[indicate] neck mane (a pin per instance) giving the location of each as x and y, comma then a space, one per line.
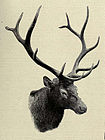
46, 116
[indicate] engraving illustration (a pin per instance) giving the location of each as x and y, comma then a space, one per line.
47, 104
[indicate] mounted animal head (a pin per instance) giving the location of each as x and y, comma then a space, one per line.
47, 104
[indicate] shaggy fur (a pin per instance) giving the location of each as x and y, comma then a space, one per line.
45, 114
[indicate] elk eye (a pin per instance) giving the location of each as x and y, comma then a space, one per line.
73, 99
63, 93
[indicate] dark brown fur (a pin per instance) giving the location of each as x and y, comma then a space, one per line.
45, 114
47, 104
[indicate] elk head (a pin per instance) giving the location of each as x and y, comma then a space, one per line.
47, 104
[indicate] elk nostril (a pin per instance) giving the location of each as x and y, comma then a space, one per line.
84, 109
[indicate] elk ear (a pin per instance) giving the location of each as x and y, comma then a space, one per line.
47, 82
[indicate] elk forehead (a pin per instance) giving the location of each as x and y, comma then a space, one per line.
66, 85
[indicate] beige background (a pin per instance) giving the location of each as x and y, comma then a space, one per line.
19, 75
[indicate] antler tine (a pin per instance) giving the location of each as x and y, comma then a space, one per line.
27, 45
68, 26
90, 49
87, 69
84, 26
62, 70
28, 36
16, 30
84, 75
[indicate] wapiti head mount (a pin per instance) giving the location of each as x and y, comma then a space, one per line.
48, 103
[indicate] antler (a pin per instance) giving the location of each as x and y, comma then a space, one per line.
27, 45
84, 50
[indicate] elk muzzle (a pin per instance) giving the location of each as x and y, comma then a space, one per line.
79, 107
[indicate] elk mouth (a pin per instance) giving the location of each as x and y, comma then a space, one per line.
80, 110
